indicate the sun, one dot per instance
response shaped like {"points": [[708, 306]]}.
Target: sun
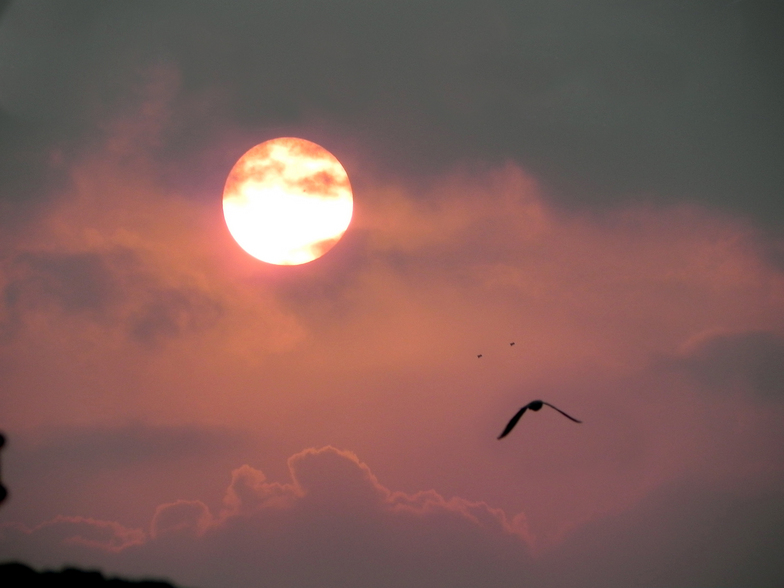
{"points": [[287, 201]]}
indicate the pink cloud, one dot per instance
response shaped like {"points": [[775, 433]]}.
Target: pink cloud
{"points": [[174, 325], [125, 301], [68, 534], [181, 516], [335, 525], [334, 519]]}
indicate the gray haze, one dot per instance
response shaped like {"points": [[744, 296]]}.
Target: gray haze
{"points": [[605, 101]]}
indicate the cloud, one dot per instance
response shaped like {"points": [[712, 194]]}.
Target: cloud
{"points": [[529, 172], [76, 282], [30, 167], [333, 523], [683, 534], [96, 470], [334, 484], [172, 312], [731, 361], [71, 531], [596, 100], [110, 287], [182, 516], [173, 324]]}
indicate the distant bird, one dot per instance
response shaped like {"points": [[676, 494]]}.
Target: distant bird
{"points": [[511, 344], [533, 405], [480, 355]]}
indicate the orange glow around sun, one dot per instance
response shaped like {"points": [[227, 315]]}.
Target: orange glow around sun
{"points": [[287, 201]]}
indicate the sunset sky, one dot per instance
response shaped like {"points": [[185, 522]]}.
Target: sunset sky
{"points": [[601, 183]]}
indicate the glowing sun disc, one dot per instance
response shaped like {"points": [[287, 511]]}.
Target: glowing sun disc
{"points": [[287, 201]]}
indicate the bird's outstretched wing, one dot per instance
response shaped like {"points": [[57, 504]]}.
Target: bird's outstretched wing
{"points": [[513, 422], [562, 412]]}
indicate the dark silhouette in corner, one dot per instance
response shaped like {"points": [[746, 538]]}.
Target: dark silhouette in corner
{"points": [[19, 575], [533, 405], [3, 491]]}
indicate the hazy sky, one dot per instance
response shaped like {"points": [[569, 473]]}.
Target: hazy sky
{"points": [[599, 182]]}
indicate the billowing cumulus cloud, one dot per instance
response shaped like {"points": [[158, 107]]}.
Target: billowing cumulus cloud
{"points": [[333, 523], [182, 516]]}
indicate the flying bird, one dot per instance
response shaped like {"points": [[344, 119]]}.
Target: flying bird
{"points": [[511, 344], [533, 405], [480, 355]]}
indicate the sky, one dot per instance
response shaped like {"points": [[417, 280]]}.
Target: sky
{"points": [[598, 182]]}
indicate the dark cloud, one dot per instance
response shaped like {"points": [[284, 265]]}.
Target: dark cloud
{"points": [[605, 101], [30, 168], [751, 360], [76, 283], [111, 288], [172, 312], [681, 535]]}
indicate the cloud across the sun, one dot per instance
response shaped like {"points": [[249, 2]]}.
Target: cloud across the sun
{"points": [[617, 314], [143, 356]]}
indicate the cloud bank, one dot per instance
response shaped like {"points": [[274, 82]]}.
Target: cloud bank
{"points": [[332, 524]]}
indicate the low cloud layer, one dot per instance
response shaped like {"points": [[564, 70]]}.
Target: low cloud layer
{"points": [[334, 524]]}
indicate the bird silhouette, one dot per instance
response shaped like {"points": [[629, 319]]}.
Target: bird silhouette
{"points": [[533, 405], [511, 344], [480, 355]]}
